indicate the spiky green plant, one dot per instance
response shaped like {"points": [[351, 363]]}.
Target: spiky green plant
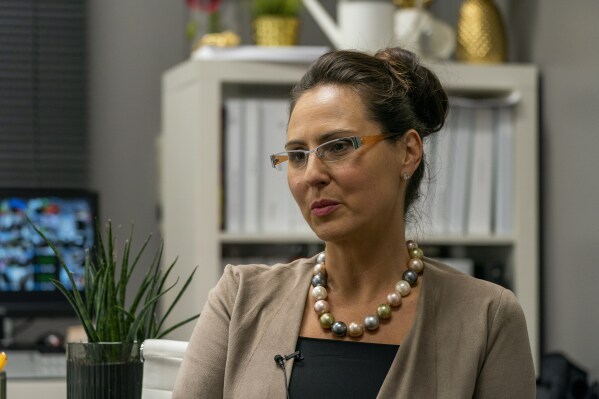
{"points": [[102, 310], [287, 8]]}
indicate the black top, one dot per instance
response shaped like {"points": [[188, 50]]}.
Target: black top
{"points": [[334, 369]]}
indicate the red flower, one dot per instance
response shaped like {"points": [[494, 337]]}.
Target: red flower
{"points": [[208, 6]]}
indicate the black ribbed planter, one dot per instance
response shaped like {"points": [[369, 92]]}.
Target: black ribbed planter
{"points": [[107, 370]]}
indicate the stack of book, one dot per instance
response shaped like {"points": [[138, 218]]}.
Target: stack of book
{"points": [[471, 173], [257, 197]]}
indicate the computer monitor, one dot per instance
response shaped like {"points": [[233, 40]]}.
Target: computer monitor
{"points": [[27, 263]]}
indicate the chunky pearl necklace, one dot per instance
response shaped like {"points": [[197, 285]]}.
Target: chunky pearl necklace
{"points": [[383, 311]]}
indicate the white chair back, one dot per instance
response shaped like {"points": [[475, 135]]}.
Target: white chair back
{"points": [[162, 359]]}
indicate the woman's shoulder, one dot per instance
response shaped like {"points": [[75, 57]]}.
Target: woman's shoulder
{"points": [[245, 289], [252, 271], [261, 278]]}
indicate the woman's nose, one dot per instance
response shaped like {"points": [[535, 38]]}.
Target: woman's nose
{"points": [[316, 171]]}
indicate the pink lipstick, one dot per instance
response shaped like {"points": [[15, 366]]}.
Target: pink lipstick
{"points": [[323, 207]]}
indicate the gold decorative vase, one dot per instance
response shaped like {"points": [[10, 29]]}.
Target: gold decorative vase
{"points": [[481, 35], [272, 30]]}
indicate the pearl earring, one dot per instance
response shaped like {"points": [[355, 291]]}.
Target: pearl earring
{"points": [[405, 175]]}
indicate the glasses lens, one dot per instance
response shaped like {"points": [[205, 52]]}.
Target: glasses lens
{"points": [[297, 159], [336, 150], [281, 167]]}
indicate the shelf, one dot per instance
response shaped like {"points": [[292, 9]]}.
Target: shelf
{"points": [[191, 173], [268, 238], [495, 241], [282, 238]]}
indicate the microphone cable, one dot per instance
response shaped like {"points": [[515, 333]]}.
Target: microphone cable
{"points": [[281, 360]]}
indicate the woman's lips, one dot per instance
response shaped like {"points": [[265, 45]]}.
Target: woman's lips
{"points": [[324, 207]]}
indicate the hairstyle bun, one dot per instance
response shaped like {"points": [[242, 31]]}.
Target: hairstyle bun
{"points": [[426, 94]]}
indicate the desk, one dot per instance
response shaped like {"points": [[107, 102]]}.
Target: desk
{"points": [[30, 374], [47, 388]]}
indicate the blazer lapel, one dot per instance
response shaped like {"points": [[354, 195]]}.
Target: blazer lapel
{"points": [[277, 336], [413, 373]]}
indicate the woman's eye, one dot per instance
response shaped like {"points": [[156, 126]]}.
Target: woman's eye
{"points": [[340, 146], [296, 157]]}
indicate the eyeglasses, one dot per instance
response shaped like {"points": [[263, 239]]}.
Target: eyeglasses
{"points": [[331, 151]]}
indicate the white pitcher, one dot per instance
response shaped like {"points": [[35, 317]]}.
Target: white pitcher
{"points": [[361, 25], [417, 30]]}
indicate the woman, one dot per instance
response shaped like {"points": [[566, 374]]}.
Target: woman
{"points": [[370, 316]]}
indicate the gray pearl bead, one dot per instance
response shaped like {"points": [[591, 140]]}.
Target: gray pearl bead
{"points": [[410, 276], [319, 279], [320, 258], [339, 329], [371, 322]]}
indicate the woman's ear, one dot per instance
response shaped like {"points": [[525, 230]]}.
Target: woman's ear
{"points": [[413, 153]]}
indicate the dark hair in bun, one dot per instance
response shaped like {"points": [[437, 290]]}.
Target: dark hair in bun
{"points": [[399, 93]]}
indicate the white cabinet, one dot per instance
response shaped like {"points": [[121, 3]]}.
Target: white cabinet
{"points": [[190, 170], [36, 388]]}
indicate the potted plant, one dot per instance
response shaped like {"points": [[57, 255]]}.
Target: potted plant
{"points": [[204, 19], [276, 22], [109, 365]]}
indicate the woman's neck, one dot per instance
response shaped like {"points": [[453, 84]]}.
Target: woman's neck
{"points": [[362, 269]]}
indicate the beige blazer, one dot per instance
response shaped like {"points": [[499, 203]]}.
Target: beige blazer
{"points": [[468, 340]]}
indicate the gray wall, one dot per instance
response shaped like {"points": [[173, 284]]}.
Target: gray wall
{"points": [[132, 42], [566, 49]]}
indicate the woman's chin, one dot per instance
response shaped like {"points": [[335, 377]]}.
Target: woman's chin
{"points": [[330, 233]]}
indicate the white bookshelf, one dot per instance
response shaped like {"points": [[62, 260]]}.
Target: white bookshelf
{"points": [[190, 189]]}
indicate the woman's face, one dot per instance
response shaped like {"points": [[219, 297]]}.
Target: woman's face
{"points": [[358, 197]]}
